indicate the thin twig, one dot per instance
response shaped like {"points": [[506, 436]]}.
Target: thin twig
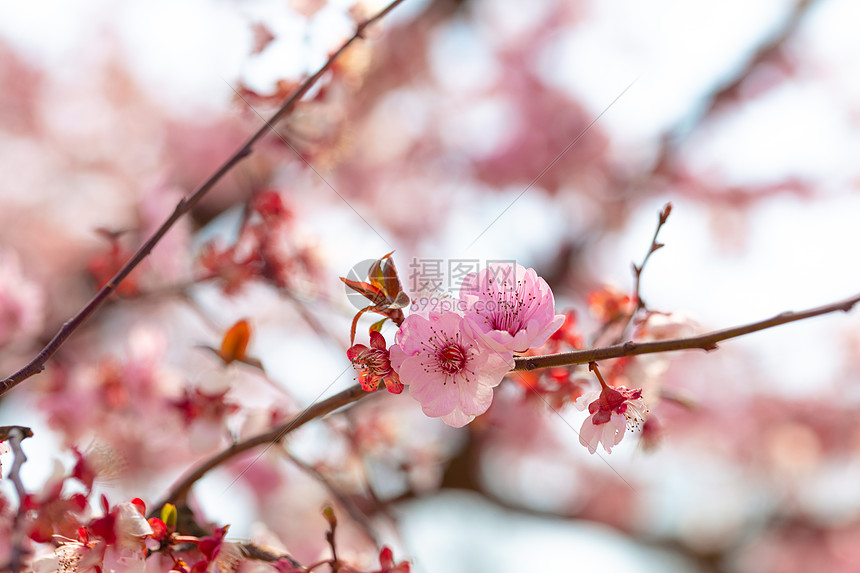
{"points": [[331, 518], [729, 87], [705, 342], [637, 271], [655, 246], [185, 204], [15, 435], [179, 491]]}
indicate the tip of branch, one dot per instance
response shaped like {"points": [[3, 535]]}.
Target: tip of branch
{"points": [[664, 214]]}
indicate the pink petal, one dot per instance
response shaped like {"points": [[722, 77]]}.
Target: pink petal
{"points": [[457, 418], [589, 435]]}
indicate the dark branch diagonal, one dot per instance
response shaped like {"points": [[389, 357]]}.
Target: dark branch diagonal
{"points": [[69, 327]]}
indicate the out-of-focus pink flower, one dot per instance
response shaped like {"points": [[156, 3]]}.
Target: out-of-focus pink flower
{"points": [[612, 411], [609, 304], [448, 369], [21, 302], [270, 246], [374, 365], [510, 306], [663, 326]]}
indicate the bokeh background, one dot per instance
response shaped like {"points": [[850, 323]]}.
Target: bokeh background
{"points": [[550, 133]]}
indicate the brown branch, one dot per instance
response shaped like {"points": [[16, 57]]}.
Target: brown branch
{"points": [[15, 435], [252, 551], [179, 491], [637, 272], [705, 342], [38, 363], [655, 246], [728, 89]]}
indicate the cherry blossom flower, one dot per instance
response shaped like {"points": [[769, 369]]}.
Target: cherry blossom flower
{"points": [[374, 365], [448, 369], [510, 306], [612, 410]]}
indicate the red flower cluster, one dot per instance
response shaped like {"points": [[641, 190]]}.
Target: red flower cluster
{"points": [[374, 365], [268, 248]]}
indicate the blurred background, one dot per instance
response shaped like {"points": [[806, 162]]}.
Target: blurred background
{"points": [[550, 133]]}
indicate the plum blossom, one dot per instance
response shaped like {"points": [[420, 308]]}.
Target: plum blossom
{"points": [[612, 410], [374, 365], [447, 368], [510, 307]]}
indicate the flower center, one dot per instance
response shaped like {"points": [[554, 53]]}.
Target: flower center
{"points": [[375, 361], [451, 358], [508, 308]]}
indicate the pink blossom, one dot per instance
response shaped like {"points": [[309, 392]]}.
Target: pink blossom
{"points": [[374, 365], [612, 410], [22, 302], [510, 306], [450, 371]]}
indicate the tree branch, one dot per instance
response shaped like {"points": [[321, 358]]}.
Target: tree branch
{"points": [[38, 363], [654, 247], [179, 491], [15, 435], [352, 394], [706, 341]]}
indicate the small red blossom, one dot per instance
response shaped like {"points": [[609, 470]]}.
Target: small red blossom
{"points": [[613, 410], [104, 266], [83, 471], [231, 267], [558, 386], [374, 364], [198, 405], [386, 561], [567, 334], [210, 546], [159, 529], [614, 401], [608, 304], [271, 208]]}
